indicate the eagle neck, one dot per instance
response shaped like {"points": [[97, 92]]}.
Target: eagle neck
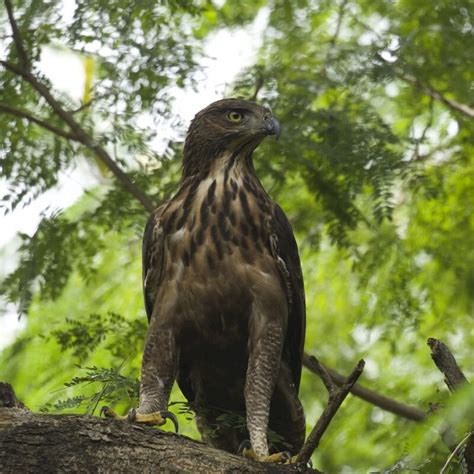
{"points": [[198, 160], [224, 163]]}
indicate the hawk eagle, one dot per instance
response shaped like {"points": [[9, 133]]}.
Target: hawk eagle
{"points": [[224, 292]]}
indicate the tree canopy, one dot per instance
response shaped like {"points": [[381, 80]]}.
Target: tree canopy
{"points": [[375, 168]]}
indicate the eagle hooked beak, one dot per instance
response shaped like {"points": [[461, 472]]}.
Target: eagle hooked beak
{"points": [[272, 126]]}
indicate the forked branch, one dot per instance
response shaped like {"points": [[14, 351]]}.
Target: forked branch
{"points": [[336, 396], [370, 396]]}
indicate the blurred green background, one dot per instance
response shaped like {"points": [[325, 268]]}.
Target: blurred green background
{"points": [[375, 169]]}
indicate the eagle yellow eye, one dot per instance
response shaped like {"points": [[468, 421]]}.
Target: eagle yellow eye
{"points": [[234, 116]]}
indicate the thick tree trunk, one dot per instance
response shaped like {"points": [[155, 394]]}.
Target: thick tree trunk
{"points": [[36, 443]]}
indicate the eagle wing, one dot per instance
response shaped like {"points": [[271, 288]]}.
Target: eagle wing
{"points": [[285, 252], [153, 261], [153, 252]]}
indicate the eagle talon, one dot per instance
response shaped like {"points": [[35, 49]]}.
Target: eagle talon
{"points": [[107, 412], [132, 415], [293, 460], [157, 418], [244, 445], [171, 416], [283, 457]]}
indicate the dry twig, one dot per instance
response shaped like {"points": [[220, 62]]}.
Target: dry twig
{"points": [[336, 397]]}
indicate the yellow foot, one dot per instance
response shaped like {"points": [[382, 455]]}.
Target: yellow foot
{"points": [[283, 457], [109, 413], [156, 418]]}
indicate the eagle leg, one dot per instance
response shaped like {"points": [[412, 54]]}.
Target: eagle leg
{"points": [[262, 373], [159, 369]]}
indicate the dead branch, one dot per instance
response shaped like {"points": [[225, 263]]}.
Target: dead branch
{"points": [[446, 363], [370, 396], [454, 379], [336, 397]]}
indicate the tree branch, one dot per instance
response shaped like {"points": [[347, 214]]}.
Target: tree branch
{"points": [[24, 71], [81, 135], [42, 123], [258, 86], [454, 379], [433, 93], [428, 90], [20, 49], [340, 18], [8, 398], [336, 397], [370, 396], [31, 443], [319, 369], [446, 363], [90, 102]]}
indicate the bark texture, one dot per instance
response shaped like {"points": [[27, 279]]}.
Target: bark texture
{"points": [[69, 443]]}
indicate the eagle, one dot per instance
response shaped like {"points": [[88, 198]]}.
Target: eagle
{"points": [[224, 293]]}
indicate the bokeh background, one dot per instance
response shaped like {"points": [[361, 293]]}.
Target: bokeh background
{"points": [[375, 169]]}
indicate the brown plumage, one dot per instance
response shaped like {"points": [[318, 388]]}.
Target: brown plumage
{"points": [[224, 290]]}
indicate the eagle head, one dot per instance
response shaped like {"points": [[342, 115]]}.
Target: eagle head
{"points": [[226, 128]]}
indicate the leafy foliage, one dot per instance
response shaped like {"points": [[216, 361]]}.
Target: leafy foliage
{"points": [[83, 337], [374, 167], [113, 387]]}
